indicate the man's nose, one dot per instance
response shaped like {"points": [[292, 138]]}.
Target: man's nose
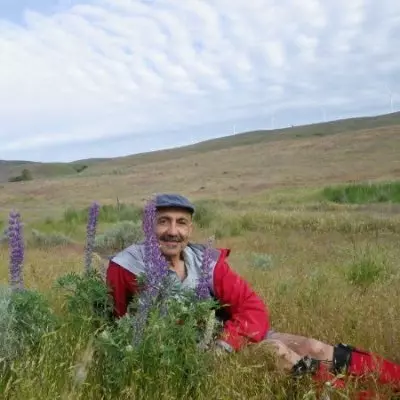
{"points": [[172, 229]]}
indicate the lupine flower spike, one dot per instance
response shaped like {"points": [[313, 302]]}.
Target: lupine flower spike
{"points": [[156, 264], [156, 271], [203, 285], [91, 235], [16, 249]]}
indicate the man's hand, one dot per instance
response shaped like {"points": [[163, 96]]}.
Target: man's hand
{"points": [[221, 348], [219, 351]]}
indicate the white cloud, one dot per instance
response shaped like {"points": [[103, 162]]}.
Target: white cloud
{"points": [[116, 67]]}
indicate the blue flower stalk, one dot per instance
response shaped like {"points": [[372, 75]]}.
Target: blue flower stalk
{"points": [[203, 285], [16, 251], [91, 235], [156, 271]]}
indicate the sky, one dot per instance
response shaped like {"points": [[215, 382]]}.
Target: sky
{"points": [[105, 78]]}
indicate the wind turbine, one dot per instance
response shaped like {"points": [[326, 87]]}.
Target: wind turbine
{"points": [[390, 98], [323, 111]]}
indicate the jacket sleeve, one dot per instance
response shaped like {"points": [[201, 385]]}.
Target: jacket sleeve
{"points": [[249, 319], [122, 285]]}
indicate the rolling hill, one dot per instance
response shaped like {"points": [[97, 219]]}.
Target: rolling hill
{"points": [[96, 166]]}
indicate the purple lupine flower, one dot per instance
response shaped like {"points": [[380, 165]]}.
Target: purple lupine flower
{"points": [[91, 234], [156, 271], [203, 285], [16, 249], [155, 262]]}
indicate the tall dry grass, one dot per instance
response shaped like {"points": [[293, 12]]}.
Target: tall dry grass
{"points": [[330, 275]]}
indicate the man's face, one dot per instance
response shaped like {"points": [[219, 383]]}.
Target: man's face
{"points": [[173, 230]]}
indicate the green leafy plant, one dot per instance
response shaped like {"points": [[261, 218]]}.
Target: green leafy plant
{"points": [[168, 358], [121, 235], [86, 296], [32, 317]]}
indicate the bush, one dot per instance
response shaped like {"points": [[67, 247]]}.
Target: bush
{"points": [[40, 239], [167, 361], [26, 175], [25, 317], [3, 236], [119, 236], [79, 167], [363, 193], [205, 214], [87, 296], [7, 339]]}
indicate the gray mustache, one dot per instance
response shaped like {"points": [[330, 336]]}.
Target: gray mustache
{"points": [[170, 239]]}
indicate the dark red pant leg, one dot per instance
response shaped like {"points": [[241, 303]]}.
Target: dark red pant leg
{"points": [[365, 364]]}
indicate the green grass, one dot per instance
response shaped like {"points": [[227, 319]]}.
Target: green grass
{"points": [[364, 193], [220, 219], [108, 213], [368, 266], [72, 222]]}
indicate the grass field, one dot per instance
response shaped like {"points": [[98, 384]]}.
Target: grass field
{"points": [[313, 223]]}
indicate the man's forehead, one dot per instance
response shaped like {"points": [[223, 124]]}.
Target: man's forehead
{"points": [[174, 213]]}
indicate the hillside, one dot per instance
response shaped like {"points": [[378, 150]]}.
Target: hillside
{"points": [[301, 242], [98, 166]]}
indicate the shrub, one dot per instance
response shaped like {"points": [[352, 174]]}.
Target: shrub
{"points": [[87, 296], [3, 236], [40, 239], [8, 341], [167, 360], [79, 167], [26, 175], [33, 317], [205, 214], [119, 236], [25, 316]]}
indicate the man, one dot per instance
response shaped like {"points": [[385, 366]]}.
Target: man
{"points": [[246, 317]]}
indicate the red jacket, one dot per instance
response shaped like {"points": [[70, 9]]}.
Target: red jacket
{"points": [[248, 318]]}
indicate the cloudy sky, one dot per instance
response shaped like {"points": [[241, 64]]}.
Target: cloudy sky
{"points": [[103, 78]]}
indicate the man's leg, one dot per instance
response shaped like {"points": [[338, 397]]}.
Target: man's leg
{"points": [[305, 346], [341, 358], [286, 358], [300, 364]]}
